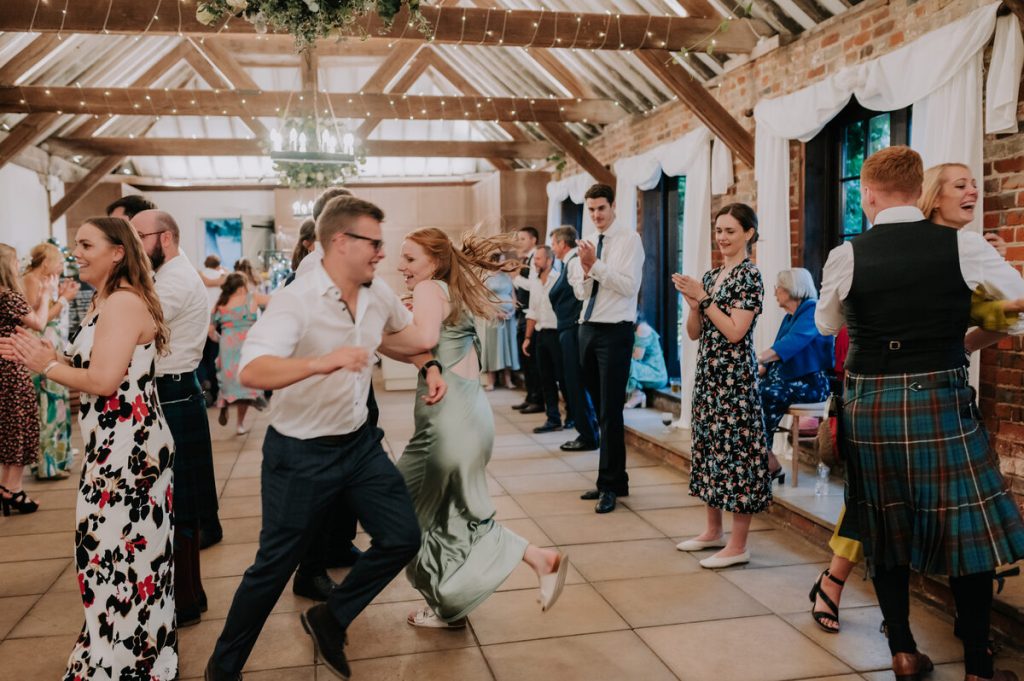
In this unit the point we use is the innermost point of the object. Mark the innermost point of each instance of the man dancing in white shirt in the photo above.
(312, 347)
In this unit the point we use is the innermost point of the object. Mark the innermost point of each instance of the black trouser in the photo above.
(301, 481)
(548, 353)
(973, 597)
(338, 527)
(605, 351)
(581, 408)
(207, 370)
(534, 393)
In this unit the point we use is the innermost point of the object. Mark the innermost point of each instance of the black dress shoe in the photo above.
(214, 673)
(578, 445)
(313, 587)
(328, 639)
(208, 538)
(521, 405)
(532, 409)
(590, 495)
(606, 504)
(346, 557)
(549, 427)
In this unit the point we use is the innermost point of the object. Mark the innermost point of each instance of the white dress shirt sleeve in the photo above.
(624, 279)
(982, 267)
(836, 280)
(399, 316)
(278, 330)
(536, 291)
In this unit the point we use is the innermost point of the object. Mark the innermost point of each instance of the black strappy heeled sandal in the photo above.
(17, 501)
(821, 616)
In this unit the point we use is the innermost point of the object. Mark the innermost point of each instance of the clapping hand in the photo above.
(350, 358)
(588, 254)
(692, 290)
(28, 349)
(68, 289)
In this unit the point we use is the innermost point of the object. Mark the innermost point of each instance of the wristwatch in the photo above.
(431, 363)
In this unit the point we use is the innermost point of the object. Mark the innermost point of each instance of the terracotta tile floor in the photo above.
(634, 608)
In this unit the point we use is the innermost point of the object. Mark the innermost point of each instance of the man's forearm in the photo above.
(273, 373)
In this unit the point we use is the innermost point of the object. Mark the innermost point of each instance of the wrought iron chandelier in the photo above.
(313, 152)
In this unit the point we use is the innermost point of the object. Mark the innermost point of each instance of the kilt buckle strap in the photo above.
(895, 345)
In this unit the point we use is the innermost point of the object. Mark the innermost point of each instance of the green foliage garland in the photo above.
(307, 20)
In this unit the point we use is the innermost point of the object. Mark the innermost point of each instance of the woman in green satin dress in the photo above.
(465, 555)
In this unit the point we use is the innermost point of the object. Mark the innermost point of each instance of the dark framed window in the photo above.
(832, 212)
(661, 230)
(572, 214)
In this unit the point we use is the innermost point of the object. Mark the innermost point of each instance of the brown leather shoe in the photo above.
(911, 666)
(1000, 675)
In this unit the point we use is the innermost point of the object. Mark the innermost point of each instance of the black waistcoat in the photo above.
(909, 306)
(523, 294)
(566, 305)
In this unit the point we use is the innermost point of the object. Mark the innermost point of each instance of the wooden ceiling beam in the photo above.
(160, 146)
(701, 102)
(77, 191)
(416, 68)
(23, 134)
(241, 102)
(20, 63)
(309, 68)
(699, 8)
(470, 25)
(392, 64)
(574, 149)
(237, 76)
(284, 45)
(154, 73)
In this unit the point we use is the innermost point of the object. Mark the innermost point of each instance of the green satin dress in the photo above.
(465, 555)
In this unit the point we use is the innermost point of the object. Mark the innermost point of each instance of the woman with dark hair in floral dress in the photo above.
(730, 457)
(124, 522)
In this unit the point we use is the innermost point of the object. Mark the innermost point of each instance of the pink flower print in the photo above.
(146, 588)
(104, 498)
(113, 403)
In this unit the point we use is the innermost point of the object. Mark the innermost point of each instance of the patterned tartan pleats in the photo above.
(926, 485)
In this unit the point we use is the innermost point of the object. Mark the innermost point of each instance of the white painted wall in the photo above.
(25, 217)
(189, 209)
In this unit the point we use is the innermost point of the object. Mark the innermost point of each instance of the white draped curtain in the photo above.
(690, 155)
(572, 188)
(939, 75)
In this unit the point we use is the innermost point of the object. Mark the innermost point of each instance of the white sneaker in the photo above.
(425, 617)
(701, 544)
(714, 562)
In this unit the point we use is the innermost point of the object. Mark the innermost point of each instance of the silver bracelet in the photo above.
(49, 366)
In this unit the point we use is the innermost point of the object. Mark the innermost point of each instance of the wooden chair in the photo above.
(796, 411)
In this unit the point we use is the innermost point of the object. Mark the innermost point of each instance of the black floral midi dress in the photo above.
(729, 456)
(123, 537)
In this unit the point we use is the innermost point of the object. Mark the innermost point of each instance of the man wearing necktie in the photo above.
(526, 245)
(608, 283)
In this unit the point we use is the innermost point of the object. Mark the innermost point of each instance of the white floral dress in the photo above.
(123, 536)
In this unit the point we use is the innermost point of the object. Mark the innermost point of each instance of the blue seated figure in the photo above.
(647, 367)
(796, 368)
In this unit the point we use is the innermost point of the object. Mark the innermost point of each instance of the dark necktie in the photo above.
(597, 284)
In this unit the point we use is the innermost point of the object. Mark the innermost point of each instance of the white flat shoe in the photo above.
(714, 562)
(551, 585)
(425, 617)
(700, 544)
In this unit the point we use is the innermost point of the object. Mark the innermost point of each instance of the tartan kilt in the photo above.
(925, 484)
(195, 488)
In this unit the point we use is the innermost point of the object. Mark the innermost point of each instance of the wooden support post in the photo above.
(78, 191)
(567, 142)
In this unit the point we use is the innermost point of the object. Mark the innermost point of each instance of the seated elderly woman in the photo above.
(795, 369)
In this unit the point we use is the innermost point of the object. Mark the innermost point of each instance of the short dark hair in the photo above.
(566, 234)
(328, 194)
(133, 204)
(532, 231)
(212, 262)
(339, 211)
(600, 191)
(744, 215)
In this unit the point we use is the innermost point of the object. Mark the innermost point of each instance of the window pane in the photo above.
(681, 307)
(852, 215)
(853, 149)
(879, 133)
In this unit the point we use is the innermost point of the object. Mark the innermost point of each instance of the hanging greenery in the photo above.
(312, 175)
(307, 20)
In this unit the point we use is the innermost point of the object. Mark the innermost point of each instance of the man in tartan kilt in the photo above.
(924, 485)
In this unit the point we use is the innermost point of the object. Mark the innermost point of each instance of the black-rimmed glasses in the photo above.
(377, 244)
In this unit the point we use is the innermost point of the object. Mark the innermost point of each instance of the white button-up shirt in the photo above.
(310, 262)
(619, 271)
(540, 309)
(306, 319)
(575, 268)
(186, 313)
(980, 265)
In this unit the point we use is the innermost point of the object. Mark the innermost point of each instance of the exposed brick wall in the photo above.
(866, 31)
